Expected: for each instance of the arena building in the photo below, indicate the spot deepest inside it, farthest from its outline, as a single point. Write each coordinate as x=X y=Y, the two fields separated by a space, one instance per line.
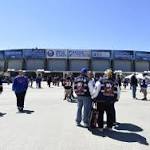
x=72 y=60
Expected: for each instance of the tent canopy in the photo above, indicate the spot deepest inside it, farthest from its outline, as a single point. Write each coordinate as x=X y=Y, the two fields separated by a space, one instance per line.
x=138 y=76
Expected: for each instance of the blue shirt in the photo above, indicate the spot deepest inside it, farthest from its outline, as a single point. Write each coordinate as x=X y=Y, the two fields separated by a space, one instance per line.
x=144 y=84
x=20 y=84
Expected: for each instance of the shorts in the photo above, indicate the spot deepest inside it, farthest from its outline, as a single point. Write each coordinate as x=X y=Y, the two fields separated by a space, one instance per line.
x=68 y=91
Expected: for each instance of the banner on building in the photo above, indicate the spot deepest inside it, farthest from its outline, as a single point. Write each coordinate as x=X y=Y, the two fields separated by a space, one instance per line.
x=27 y=53
x=13 y=54
x=123 y=55
x=1 y=55
x=142 y=56
x=58 y=53
x=79 y=54
x=100 y=54
x=38 y=53
x=34 y=53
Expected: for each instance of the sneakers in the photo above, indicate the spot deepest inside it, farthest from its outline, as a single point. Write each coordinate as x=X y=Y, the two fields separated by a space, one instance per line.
x=86 y=125
x=144 y=98
x=78 y=124
x=20 y=109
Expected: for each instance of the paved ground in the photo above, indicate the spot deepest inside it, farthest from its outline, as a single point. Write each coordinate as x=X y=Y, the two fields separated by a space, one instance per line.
x=49 y=123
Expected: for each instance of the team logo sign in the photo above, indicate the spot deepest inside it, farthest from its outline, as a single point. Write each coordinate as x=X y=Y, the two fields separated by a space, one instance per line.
x=50 y=53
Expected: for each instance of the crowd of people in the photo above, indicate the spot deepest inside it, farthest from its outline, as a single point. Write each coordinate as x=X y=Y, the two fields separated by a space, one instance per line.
x=20 y=84
x=56 y=80
x=94 y=96
x=103 y=93
x=143 y=85
x=98 y=95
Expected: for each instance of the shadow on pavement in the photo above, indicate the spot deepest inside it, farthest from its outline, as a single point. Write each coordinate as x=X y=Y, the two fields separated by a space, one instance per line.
x=128 y=127
x=121 y=136
x=28 y=111
x=2 y=114
x=142 y=99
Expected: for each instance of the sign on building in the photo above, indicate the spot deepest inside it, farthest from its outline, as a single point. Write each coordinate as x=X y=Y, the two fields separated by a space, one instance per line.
x=100 y=54
x=1 y=55
x=142 y=55
x=34 y=53
x=123 y=55
x=59 y=53
x=13 y=54
x=79 y=54
x=38 y=53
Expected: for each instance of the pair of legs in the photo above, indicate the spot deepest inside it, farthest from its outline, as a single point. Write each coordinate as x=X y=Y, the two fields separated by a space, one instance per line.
x=134 y=91
x=20 y=100
x=49 y=84
x=67 y=94
x=85 y=103
x=144 y=91
x=110 y=113
x=38 y=85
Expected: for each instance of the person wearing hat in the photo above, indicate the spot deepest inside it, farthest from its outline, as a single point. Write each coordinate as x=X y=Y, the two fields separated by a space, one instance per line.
x=20 y=86
x=105 y=93
x=81 y=89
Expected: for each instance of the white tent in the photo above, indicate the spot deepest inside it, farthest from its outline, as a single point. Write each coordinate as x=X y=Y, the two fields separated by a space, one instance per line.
x=138 y=76
x=129 y=76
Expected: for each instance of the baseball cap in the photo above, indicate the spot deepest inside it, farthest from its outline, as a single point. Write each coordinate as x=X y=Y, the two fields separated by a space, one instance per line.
x=84 y=70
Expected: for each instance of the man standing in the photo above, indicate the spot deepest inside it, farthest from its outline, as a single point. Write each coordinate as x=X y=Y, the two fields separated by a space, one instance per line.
x=49 y=80
x=38 y=81
x=134 y=84
x=31 y=81
x=20 y=86
x=94 y=112
x=84 y=99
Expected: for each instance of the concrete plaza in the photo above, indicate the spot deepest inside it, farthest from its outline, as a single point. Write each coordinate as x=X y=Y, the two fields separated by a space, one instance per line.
x=49 y=123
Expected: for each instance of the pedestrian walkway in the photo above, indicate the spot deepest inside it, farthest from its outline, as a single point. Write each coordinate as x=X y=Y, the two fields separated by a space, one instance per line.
x=49 y=123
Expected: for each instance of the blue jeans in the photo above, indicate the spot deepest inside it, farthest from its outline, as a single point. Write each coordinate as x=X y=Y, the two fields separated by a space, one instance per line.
x=85 y=103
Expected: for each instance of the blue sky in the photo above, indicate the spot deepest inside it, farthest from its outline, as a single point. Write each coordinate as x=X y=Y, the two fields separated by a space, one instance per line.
x=87 y=24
